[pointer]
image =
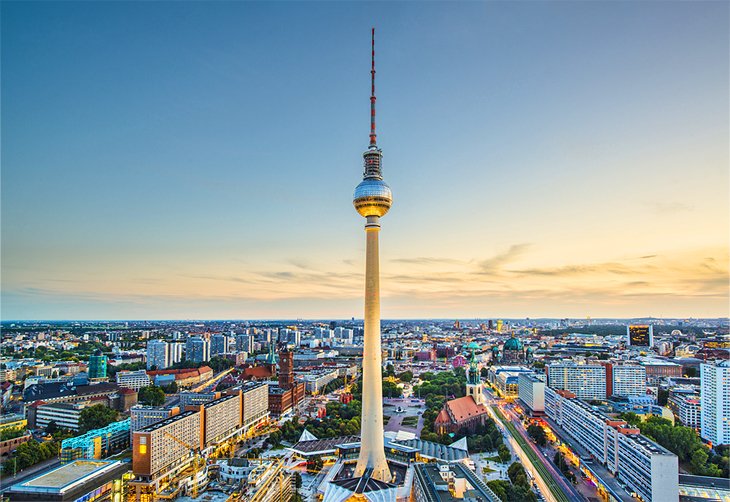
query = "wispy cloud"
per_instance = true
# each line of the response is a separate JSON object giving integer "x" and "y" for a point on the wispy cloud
{"x": 496, "y": 262}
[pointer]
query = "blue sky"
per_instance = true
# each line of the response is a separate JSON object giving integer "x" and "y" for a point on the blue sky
{"x": 185, "y": 159}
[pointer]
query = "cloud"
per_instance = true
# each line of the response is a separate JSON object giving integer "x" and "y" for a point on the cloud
{"x": 426, "y": 260}
{"x": 495, "y": 263}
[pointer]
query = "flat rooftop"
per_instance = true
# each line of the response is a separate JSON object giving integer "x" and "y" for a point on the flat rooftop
{"x": 66, "y": 477}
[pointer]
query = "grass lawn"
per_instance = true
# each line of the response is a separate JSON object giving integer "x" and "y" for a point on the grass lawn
{"x": 410, "y": 421}
{"x": 494, "y": 459}
{"x": 487, "y": 470}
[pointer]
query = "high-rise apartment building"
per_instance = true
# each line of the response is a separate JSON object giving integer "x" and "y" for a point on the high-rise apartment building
{"x": 587, "y": 381}
{"x": 625, "y": 380}
{"x": 531, "y": 391}
{"x": 176, "y": 350}
{"x": 197, "y": 349}
{"x": 244, "y": 343}
{"x": 715, "y": 402}
{"x": 158, "y": 355}
{"x": 218, "y": 345}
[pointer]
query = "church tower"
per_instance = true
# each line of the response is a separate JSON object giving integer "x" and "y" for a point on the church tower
{"x": 473, "y": 378}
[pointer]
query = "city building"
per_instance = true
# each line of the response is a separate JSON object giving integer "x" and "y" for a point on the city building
{"x": 513, "y": 350}
{"x": 255, "y": 403}
{"x": 197, "y": 349}
{"x": 134, "y": 380}
{"x": 648, "y": 469}
{"x": 245, "y": 343}
{"x": 80, "y": 480}
{"x": 625, "y": 379}
{"x": 166, "y": 445}
{"x": 316, "y": 380}
{"x": 65, "y": 415}
{"x": 686, "y": 408}
{"x": 96, "y": 444}
{"x": 641, "y": 336}
{"x": 97, "y": 366}
{"x": 158, "y": 355}
{"x": 186, "y": 377}
{"x": 288, "y": 393}
{"x": 587, "y": 381}
{"x": 531, "y": 391}
{"x": 440, "y": 482}
{"x": 142, "y": 416}
{"x": 218, "y": 344}
{"x": 221, "y": 418}
{"x": 660, "y": 369}
{"x": 715, "y": 402}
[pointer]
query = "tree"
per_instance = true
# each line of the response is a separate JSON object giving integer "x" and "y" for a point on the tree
{"x": 690, "y": 372}
{"x": 389, "y": 370}
{"x": 698, "y": 459}
{"x": 504, "y": 453}
{"x": 538, "y": 434}
{"x": 52, "y": 427}
{"x": 406, "y": 376}
{"x": 390, "y": 389}
{"x": 151, "y": 395}
{"x": 96, "y": 417}
{"x": 630, "y": 417}
{"x": 171, "y": 388}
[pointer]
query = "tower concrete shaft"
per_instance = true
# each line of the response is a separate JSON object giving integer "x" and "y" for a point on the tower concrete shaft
{"x": 372, "y": 448}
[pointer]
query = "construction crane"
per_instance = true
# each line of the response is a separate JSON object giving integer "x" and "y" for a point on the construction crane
{"x": 195, "y": 464}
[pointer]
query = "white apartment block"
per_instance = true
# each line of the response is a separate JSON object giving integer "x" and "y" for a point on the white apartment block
{"x": 65, "y": 415}
{"x": 134, "y": 380}
{"x": 142, "y": 416}
{"x": 255, "y": 403}
{"x": 628, "y": 380}
{"x": 687, "y": 408}
{"x": 587, "y": 381}
{"x": 715, "y": 402}
{"x": 158, "y": 355}
{"x": 317, "y": 380}
{"x": 649, "y": 470}
{"x": 222, "y": 418}
{"x": 531, "y": 391}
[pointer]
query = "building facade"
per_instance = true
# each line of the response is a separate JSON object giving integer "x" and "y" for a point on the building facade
{"x": 134, "y": 380}
{"x": 715, "y": 402}
{"x": 587, "y": 381}
{"x": 648, "y": 469}
{"x": 197, "y": 349}
{"x": 158, "y": 355}
{"x": 531, "y": 391}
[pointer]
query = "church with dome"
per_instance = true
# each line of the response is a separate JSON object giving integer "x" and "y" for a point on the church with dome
{"x": 513, "y": 351}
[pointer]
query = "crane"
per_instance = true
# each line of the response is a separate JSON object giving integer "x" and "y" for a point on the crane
{"x": 196, "y": 461}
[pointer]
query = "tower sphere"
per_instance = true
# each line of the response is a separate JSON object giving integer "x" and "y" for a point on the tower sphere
{"x": 372, "y": 197}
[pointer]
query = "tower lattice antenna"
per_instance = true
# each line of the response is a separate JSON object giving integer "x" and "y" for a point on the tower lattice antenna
{"x": 373, "y": 136}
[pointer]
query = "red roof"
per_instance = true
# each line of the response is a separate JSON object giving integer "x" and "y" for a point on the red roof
{"x": 257, "y": 372}
{"x": 127, "y": 391}
{"x": 464, "y": 408}
{"x": 442, "y": 418}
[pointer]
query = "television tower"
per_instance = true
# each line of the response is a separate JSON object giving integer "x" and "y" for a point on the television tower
{"x": 372, "y": 200}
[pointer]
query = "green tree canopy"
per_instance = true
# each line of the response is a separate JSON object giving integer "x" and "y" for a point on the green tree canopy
{"x": 151, "y": 395}
{"x": 96, "y": 417}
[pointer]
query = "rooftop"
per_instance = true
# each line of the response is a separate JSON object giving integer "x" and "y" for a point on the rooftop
{"x": 66, "y": 477}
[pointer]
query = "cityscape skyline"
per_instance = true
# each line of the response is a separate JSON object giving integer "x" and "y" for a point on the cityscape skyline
{"x": 163, "y": 174}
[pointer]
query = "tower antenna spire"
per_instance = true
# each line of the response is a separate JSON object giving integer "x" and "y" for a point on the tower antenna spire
{"x": 373, "y": 136}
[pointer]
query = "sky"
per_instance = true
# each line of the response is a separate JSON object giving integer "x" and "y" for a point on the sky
{"x": 165, "y": 160}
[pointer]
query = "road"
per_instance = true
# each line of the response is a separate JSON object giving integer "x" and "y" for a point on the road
{"x": 547, "y": 479}
{"x": 566, "y": 486}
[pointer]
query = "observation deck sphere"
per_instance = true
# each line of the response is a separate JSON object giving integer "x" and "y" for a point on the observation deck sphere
{"x": 372, "y": 197}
